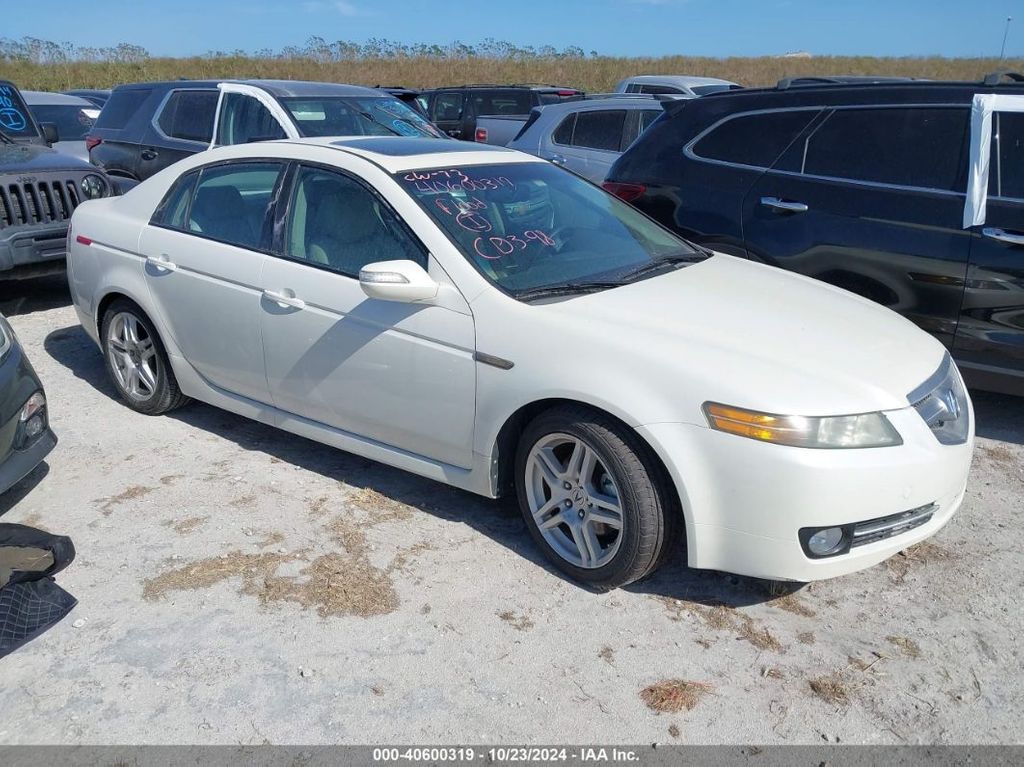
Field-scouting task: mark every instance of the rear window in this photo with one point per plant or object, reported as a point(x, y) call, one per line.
point(188, 115)
point(753, 139)
point(121, 107)
point(704, 90)
point(922, 147)
point(15, 119)
point(510, 102)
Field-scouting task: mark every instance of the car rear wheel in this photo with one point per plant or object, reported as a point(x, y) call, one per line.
point(137, 362)
point(593, 496)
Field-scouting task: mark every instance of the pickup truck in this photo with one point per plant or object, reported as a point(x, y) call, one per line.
point(468, 112)
point(39, 190)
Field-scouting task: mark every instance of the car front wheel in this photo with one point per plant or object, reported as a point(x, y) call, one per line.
point(593, 496)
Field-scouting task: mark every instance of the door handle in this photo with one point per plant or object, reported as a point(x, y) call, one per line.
point(557, 159)
point(284, 300)
point(149, 154)
point(1003, 236)
point(787, 206)
point(162, 262)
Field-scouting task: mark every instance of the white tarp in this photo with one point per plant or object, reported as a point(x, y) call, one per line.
point(981, 148)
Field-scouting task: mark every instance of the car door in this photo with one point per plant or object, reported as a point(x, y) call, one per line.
point(398, 374)
point(446, 111)
point(991, 330)
point(871, 200)
point(246, 114)
point(205, 250)
point(181, 126)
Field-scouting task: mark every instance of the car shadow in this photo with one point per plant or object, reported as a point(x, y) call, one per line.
point(999, 416)
point(35, 294)
point(499, 520)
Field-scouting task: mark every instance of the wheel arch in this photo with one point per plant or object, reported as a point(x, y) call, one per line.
point(505, 444)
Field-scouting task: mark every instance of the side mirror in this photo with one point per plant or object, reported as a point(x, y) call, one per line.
point(50, 134)
point(403, 281)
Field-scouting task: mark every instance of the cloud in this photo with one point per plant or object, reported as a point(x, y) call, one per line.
point(338, 6)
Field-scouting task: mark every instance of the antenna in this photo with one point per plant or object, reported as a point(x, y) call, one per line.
point(1006, 32)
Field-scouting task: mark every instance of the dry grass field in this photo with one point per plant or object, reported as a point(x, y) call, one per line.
point(56, 67)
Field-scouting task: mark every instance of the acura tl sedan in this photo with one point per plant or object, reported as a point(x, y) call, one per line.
point(483, 318)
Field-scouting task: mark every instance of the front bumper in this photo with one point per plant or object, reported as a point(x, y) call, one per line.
point(745, 501)
point(33, 247)
point(18, 382)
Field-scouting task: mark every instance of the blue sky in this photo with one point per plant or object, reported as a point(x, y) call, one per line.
point(616, 27)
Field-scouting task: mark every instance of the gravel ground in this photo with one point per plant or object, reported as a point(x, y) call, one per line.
point(237, 584)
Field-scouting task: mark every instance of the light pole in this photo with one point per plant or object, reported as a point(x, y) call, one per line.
point(1006, 32)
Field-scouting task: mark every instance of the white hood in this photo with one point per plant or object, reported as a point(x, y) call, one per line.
point(755, 336)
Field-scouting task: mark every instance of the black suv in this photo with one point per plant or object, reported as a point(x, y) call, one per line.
point(861, 185)
point(39, 190)
point(455, 109)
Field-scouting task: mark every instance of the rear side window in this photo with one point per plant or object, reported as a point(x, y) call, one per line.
point(188, 115)
point(753, 139)
point(599, 129)
point(173, 211)
point(918, 147)
point(121, 107)
point(563, 133)
point(231, 203)
point(659, 90)
point(1006, 169)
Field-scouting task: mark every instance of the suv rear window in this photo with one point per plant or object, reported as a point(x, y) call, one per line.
point(510, 102)
point(753, 139)
point(917, 147)
point(188, 115)
point(121, 107)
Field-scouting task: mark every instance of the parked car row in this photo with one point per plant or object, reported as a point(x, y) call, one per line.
point(365, 282)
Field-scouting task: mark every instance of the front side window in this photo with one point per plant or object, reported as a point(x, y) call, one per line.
point(532, 225)
point(232, 202)
point(753, 139)
point(188, 115)
point(599, 129)
point(356, 116)
point(244, 119)
point(448, 106)
point(1006, 168)
point(336, 222)
point(923, 147)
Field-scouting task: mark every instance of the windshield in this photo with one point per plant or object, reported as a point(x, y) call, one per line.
point(356, 116)
point(72, 121)
point(531, 225)
point(15, 120)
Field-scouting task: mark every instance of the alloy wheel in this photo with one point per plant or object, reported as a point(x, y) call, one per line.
point(133, 356)
point(574, 500)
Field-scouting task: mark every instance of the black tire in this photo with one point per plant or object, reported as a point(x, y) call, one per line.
point(649, 508)
point(166, 395)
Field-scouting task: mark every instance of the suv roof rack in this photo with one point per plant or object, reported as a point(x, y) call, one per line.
point(997, 77)
point(805, 80)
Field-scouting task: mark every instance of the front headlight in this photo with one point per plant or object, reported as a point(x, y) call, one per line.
point(93, 186)
point(841, 431)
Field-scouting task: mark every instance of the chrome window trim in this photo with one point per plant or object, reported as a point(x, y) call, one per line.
point(155, 121)
point(688, 149)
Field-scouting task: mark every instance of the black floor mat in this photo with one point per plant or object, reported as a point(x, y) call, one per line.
point(27, 609)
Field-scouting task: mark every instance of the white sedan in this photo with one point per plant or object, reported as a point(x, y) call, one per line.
point(488, 320)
